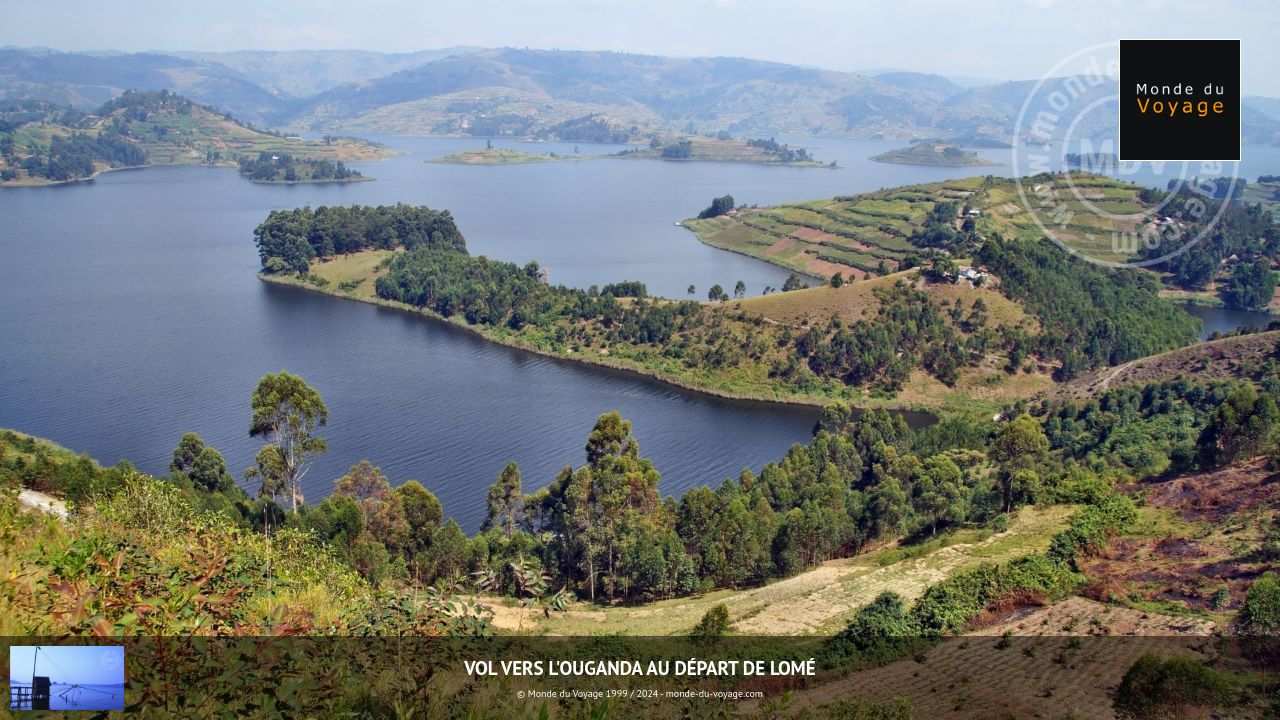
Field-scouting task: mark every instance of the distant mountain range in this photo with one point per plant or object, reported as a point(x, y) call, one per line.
point(530, 93)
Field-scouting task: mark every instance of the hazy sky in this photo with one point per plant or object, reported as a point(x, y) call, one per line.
point(998, 39)
point(80, 664)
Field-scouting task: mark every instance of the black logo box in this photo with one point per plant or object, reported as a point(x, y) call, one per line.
point(1186, 65)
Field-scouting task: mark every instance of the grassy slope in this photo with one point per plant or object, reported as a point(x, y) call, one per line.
point(984, 386)
point(817, 601)
point(1268, 194)
point(1223, 358)
point(11, 442)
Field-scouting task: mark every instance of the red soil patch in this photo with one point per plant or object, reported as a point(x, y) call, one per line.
point(1186, 570)
point(1214, 495)
point(811, 235)
point(780, 246)
point(825, 268)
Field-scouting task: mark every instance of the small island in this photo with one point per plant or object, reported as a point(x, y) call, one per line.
point(1091, 161)
point(718, 148)
point(930, 153)
point(723, 148)
point(497, 156)
point(282, 169)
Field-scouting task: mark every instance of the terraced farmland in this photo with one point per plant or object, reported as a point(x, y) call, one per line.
point(869, 234)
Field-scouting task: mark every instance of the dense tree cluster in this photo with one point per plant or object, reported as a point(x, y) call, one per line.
point(280, 167)
point(500, 294)
point(1089, 316)
point(1244, 239)
point(719, 206)
point(589, 129)
point(289, 239)
point(79, 155)
point(678, 150)
point(910, 330)
point(1171, 426)
point(138, 105)
point(784, 153)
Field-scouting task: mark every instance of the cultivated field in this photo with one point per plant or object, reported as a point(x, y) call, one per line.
point(866, 234)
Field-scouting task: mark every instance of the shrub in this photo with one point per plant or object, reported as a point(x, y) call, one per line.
point(1090, 528)
point(1173, 688)
point(713, 625)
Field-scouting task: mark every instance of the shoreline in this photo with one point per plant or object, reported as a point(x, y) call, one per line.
point(762, 258)
point(362, 178)
point(72, 181)
point(605, 361)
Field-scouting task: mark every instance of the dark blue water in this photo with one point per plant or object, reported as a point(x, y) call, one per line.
point(130, 313)
point(79, 697)
point(1225, 320)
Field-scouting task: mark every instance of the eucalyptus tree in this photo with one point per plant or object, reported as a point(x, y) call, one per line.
point(286, 412)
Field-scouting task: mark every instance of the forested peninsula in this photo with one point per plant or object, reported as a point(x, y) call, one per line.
point(921, 336)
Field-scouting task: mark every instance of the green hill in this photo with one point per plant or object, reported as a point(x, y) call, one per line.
point(928, 153)
point(43, 143)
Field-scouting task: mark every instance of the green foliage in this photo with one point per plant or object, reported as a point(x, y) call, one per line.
point(1251, 285)
point(282, 167)
point(719, 206)
point(286, 412)
point(505, 502)
point(783, 152)
point(78, 155)
point(1241, 426)
point(1088, 530)
point(881, 630)
point(909, 331)
point(27, 462)
point(603, 510)
point(1154, 689)
point(713, 625)
point(146, 562)
point(1241, 229)
point(504, 295)
point(298, 236)
point(1141, 430)
point(1089, 316)
point(678, 150)
point(1020, 445)
point(202, 466)
point(1260, 614)
point(950, 605)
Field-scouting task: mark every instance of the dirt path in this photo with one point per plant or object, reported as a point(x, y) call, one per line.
point(1106, 381)
point(46, 503)
point(814, 602)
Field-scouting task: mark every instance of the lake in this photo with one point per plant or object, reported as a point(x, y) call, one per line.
point(130, 313)
point(1224, 320)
